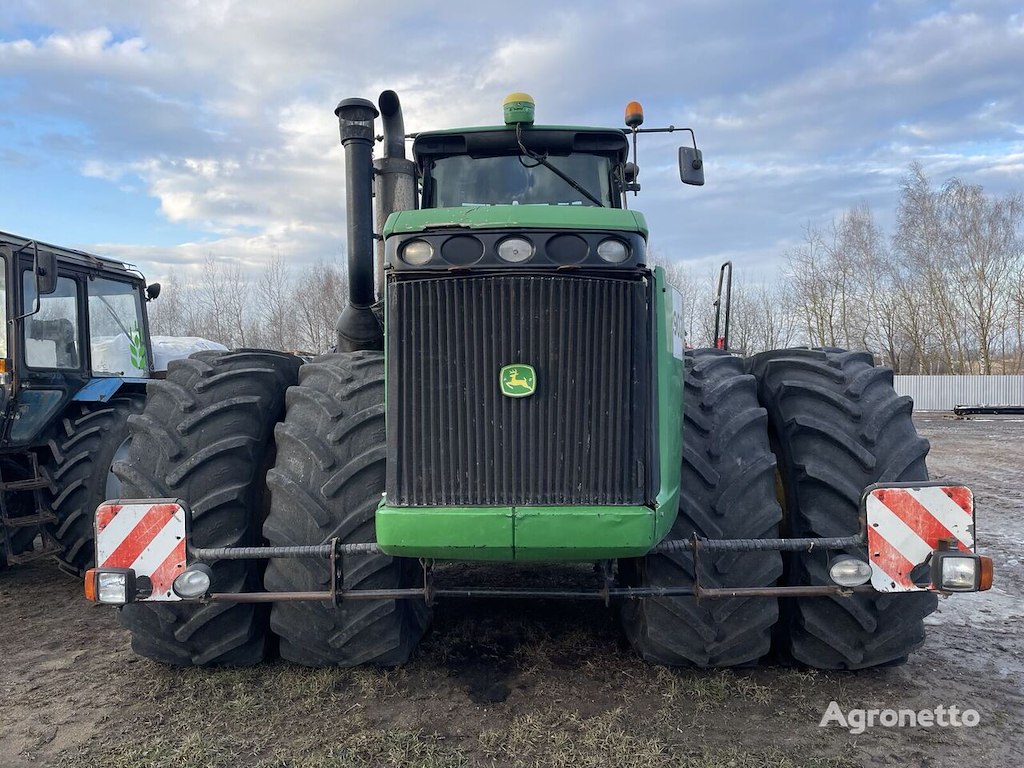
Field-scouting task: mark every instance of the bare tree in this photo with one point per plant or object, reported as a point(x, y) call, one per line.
point(278, 305)
point(323, 289)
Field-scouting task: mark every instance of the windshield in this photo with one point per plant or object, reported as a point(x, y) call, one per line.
point(461, 180)
point(115, 329)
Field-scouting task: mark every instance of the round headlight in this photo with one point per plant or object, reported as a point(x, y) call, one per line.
point(613, 251)
point(515, 249)
point(195, 581)
point(849, 571)
point(417, 252)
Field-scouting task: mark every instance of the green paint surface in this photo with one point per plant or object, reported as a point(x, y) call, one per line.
point(455, 533)
point(515, 533)
point(577, 217)
point(669, 345)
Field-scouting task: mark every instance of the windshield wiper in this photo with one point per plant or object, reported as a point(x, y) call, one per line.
point(542, 160)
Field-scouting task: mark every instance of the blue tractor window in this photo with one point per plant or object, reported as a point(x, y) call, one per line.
point(51, 335)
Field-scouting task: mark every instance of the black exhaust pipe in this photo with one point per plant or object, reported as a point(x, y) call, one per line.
point(358, 326)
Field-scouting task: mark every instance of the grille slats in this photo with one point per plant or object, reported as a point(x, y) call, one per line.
point(454, 439)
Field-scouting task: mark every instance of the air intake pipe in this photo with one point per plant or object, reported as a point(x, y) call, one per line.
point(358, 327)
point(395, 177)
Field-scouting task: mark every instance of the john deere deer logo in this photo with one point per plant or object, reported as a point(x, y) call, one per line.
point(518, 380)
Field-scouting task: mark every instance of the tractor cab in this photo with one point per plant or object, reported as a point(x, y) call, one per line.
point(75, 355)
point(75, 330)
point(540, 166)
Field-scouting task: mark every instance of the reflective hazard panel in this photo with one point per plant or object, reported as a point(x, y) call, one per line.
point(147, 536)
point(905, 524)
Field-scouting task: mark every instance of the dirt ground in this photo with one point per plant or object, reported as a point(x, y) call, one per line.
point(523, 684)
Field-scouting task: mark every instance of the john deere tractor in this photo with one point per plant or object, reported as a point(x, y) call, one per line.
point(512, 387)
point(74, 359)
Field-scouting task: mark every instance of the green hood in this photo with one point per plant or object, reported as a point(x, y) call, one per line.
point(516, 217)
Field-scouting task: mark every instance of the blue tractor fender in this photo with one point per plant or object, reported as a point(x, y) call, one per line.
point(100, 390)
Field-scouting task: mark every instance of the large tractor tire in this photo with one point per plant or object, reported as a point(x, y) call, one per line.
point(326, 484)
point(727, 492)
point(206, 437)
point(92, 437)
point(837, 427)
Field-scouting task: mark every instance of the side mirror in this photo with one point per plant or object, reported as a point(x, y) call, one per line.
point(630, 172)
point(691, 166)
point(46, 272)
point(152, 291)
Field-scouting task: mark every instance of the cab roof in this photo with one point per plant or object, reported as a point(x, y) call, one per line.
point(487, 141)
point(72, 256)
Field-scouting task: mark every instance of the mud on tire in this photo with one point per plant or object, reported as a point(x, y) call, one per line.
point(206, 436)
point(837, 427)
point(727, 491)
point(326, 483)
point(92, 435)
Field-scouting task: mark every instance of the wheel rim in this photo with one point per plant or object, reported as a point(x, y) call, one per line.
point(113, 490)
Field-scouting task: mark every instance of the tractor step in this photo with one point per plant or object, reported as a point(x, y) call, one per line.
point(48, 549)
point(24, 521)
point(32, 484)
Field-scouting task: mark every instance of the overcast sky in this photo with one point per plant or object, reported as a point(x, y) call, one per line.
point(161, 132)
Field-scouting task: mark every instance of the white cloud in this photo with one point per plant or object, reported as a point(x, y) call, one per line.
point(222, 111)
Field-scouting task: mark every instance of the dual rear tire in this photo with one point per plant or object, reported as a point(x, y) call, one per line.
point(207, 436)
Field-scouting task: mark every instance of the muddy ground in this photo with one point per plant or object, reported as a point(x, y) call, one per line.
point(523, 684)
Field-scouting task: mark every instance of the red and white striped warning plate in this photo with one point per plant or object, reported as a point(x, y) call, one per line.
point(905, 526)
point(148, 537)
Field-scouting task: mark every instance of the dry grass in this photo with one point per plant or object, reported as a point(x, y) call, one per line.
point(284, 716)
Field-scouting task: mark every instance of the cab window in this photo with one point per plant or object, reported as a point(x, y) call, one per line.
point(51, 335)
point(116, 340)
point(461, 180)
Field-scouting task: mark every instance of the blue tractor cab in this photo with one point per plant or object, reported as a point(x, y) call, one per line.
point(75, 356)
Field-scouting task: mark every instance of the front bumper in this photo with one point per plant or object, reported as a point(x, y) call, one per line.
point(913, 537)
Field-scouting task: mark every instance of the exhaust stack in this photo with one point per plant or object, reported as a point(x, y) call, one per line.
point(358, 327)
point(394, 177)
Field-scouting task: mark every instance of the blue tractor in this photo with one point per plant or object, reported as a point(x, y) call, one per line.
point(75, 356)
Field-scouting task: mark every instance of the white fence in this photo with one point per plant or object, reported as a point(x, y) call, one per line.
point(941, 393)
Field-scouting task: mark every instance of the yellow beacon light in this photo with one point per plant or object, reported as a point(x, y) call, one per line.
point(634, 114)
point(519, 108)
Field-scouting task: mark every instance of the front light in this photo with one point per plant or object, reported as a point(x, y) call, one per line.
point(613, 251)
point(417, 252)
point(194, 582)
point(110, 586)
point(849, 571)
point(959, 574)
point(515, 249)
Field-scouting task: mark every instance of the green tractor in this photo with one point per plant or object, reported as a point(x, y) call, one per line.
point(512, 386)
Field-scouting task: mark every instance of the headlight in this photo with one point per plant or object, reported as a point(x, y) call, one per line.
point(613, 251)
point(417, 252)
point(194, 582)
point(110, 586)
point(959, 573)
point(849, 571)
point(954, 571)
point(515, 249)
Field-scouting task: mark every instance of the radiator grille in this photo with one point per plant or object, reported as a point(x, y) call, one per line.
point(583, 437)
